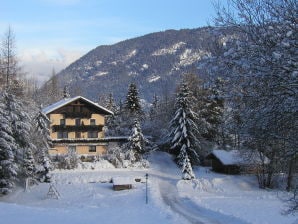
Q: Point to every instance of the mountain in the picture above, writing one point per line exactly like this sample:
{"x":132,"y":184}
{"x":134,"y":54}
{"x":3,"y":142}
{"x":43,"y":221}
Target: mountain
{"x":154,"y":62}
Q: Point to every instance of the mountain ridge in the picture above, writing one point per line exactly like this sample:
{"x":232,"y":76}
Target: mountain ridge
{"x":155,"y":62}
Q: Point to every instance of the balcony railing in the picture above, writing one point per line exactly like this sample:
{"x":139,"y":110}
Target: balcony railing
{"x":77,"y":114}
{"x":78,"y":128}
{"x":79,"y":141}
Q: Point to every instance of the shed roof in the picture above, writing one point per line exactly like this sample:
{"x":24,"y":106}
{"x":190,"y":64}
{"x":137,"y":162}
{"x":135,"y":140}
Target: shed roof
{"x":66,"y":101}
{"x":235,"y":157}
{"x":123,"y":180}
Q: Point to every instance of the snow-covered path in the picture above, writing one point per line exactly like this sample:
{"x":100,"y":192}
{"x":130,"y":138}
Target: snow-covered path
{"x":167,"y":175}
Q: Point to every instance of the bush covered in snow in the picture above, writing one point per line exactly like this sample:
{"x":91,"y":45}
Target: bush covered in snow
{"x":68,"y":161}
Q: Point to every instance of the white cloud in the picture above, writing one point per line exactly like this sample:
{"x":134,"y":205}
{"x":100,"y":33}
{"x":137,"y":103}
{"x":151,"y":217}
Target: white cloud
{"x":40,"y":63}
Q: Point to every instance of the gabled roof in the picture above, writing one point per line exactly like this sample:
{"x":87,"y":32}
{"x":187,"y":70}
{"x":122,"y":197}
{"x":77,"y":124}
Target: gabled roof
{"x":235,"y":157}
{"x":66,"y":101}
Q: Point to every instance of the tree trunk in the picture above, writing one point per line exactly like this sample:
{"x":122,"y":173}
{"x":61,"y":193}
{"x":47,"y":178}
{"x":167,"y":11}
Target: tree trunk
{"x":290,"y":175}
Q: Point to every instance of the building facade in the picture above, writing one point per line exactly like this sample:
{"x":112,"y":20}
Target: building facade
{"x":77,"y":126}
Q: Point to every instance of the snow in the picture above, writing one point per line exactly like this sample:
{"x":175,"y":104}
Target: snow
{"x":188,"y":57}
{"x":234,"y":157}
{"x":97,"y":63}
{"x":101,"y":73}
{"x":66,"y":101}
{"x":236,"y":196}
{"x":171,"y":50}
{"x":123,"y":180}
{"x":145,"y":66}
{"x":153,"y":78}
{"x":129,"y":55}
{"x":87,"y":197}
{"x":132,"y":73}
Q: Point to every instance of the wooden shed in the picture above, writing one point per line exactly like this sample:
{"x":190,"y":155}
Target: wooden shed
{"x":233,"y":162}
{"x":122,"y":183}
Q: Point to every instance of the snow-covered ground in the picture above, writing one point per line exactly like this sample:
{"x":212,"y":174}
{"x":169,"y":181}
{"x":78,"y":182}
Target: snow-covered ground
{"x":87,"y":197}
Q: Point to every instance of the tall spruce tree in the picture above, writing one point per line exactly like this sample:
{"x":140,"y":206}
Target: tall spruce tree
{"x":183,"y":132}
{"x":112,"y":124}
{"x":29,"y":168}
{"x":43,"y":143}
{"x":136,"y":145}
{"x":21,"y":126}
{"x":213,"y":115}
{"x":8,"y":168}
{"x":132,"y":103}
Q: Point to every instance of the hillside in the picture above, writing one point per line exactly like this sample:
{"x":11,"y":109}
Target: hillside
{"x":154,"y":61}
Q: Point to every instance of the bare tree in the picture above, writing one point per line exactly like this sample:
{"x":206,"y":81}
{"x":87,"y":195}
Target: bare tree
{"x":263,"y":66}
{"x":9,"y":62}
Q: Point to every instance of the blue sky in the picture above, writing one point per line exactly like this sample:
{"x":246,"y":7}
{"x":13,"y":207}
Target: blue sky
{"x":54,"y":33}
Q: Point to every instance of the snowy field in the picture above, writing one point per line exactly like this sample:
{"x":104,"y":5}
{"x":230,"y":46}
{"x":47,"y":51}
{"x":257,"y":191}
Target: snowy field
{"x":87,"y":196}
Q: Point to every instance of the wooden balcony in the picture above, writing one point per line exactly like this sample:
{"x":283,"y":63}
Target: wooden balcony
{"x":72,"y":115}
{"x":78,"y":128}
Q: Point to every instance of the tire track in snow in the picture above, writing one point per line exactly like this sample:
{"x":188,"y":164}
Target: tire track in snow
{"x":169,"y":195}
{"x":190,"y":210}
{"x":167,"y":177}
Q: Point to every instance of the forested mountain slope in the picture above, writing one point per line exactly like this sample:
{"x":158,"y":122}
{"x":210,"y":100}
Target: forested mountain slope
{"x":154,"y":62}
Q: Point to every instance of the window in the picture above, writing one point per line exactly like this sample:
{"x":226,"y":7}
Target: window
{"x":78,"y":122}
{"x":72,"y":149}
{"x":92,"y":148}
{"x":78,"y":134}
{"x":62,"y":122}
{"x":62,"y":134}
{"x":92,"y":134}
{"x":92,"y":122}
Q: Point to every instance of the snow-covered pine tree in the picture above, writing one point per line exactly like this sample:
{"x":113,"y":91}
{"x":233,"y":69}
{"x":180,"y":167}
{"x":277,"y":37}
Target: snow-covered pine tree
{"x":136,"y":145}
{"x":184,"y":131}
{"x":214,"y":112}
{"x":20,"y":126}
{"x":200,"y":95}
{"x":43,"y":143}
{"x":112,"y":125}
{"x":132,"y":103}
{"x":8,"y":168}
{"x":29,"y":168}
{"x":187,"y":172}
{"x":130,"y":110}
{"x":154,"y":107}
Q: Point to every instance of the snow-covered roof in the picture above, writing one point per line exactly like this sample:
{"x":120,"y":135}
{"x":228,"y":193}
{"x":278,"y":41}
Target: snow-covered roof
{"x":66,"y":101}
{"x":235,"y":157}
{"x":123,"y":180}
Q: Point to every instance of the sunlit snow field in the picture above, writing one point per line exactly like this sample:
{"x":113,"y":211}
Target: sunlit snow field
{"x":87,"y":196}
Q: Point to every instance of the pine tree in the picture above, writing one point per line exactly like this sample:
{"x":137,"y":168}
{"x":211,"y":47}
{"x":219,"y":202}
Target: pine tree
{"x":154,"y":107}
{"x":200,"y":105}
{"x":43,"y":143}
{"x":21,"y":126}
{"x":136,"y":145}
{"x":184,"y":131}
{"x":214,"y":104}
{"x":29,"y":168}
{"x":112,"y":121}
{"x":8,"y":168}
{"x":187,"y":173}
{"x":132,"y":103}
